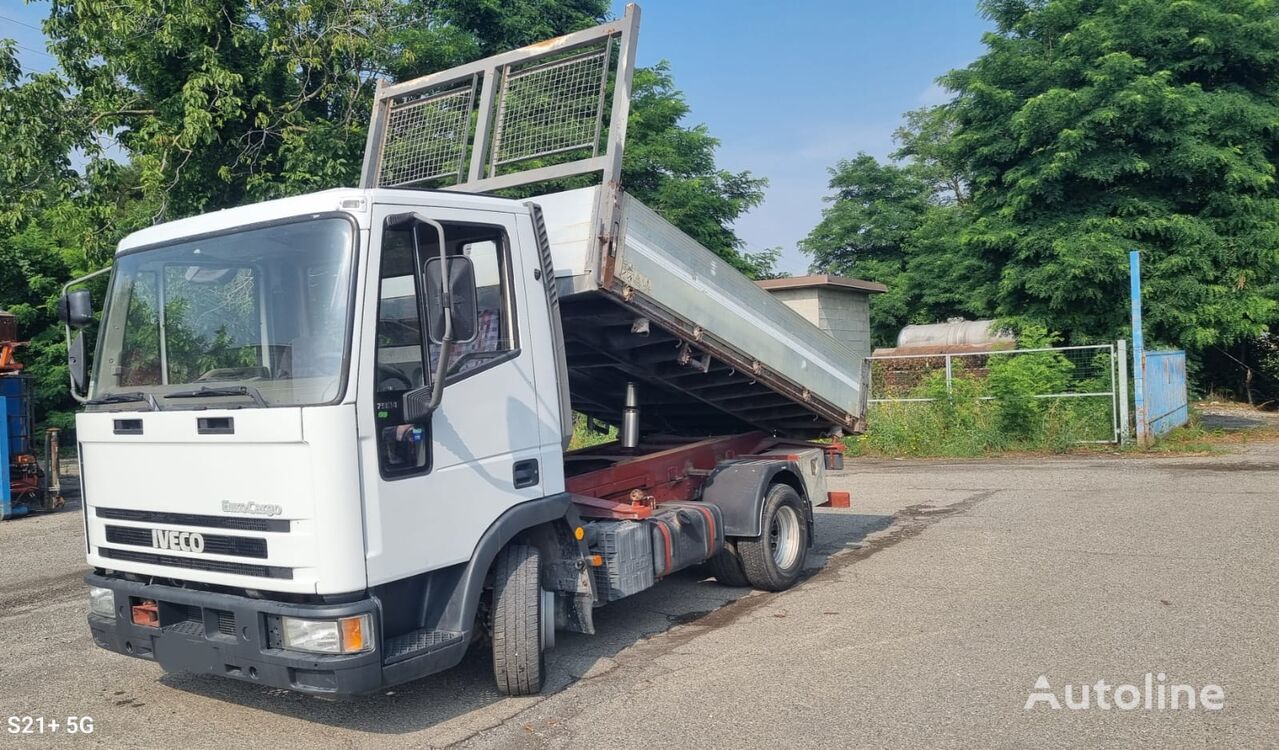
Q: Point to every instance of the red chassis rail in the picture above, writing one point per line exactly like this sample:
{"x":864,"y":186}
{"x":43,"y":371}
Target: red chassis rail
{"x":632,"y":486}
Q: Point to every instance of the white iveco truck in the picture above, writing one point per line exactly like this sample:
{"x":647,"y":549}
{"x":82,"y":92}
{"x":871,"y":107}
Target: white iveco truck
{"x":325,"y":442}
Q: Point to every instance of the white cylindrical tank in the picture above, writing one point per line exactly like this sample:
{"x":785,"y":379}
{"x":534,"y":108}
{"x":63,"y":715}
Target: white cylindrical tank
{"x":953,"y":333}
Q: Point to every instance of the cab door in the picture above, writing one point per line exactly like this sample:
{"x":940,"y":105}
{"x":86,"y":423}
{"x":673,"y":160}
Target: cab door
{"x":431,"y":490}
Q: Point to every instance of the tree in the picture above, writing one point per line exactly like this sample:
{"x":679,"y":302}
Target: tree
{"x":900,"y":223}
{"x":865,"y":232}
{"x":227,"y":102}
{"x":671,"y":168}
{"x":1090,"y":127}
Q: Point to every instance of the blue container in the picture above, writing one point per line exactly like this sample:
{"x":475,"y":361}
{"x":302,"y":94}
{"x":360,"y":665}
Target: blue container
{"x":16,"y":391}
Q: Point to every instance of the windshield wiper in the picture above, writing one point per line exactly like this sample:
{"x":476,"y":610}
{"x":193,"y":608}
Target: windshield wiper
{"x":125,"y":398}
{"x":231,"y":390}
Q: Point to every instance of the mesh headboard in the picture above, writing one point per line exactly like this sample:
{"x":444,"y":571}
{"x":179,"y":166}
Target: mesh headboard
{"x":547,"y":111}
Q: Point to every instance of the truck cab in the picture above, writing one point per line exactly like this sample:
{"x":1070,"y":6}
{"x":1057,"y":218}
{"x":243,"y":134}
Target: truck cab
{"x":259,"y":350}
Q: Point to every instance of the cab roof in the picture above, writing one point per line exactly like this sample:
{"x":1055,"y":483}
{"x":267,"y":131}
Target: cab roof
{"x":352,"y":201}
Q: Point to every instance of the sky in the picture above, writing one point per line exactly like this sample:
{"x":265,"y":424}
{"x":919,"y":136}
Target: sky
{"x":789,"y":88}
{"x":792,"y":87}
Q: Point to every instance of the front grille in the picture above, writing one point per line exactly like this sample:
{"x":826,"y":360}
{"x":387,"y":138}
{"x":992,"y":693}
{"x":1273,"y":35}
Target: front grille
{"x":226,"y":621}
{"x":197,"y":563}
{"x":192,"y":519}
{"x":237,"y":546}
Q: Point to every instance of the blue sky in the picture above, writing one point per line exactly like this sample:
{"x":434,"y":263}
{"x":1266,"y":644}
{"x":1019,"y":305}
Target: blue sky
{"x":789,"y":88}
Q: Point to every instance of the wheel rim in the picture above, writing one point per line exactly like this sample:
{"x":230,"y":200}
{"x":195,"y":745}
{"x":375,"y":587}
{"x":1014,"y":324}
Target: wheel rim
{"x":783,"y":537}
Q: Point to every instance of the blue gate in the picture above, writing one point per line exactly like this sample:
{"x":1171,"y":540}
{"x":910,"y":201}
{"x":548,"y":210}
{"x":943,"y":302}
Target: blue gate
{"x":1166,"y":403}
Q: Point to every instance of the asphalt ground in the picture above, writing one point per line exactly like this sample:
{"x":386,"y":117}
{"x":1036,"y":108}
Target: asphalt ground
{"x":933,"y":607}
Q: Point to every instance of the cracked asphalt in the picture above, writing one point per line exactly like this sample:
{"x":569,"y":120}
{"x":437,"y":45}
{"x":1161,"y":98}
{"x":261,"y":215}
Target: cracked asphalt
{"x":932,"y":608}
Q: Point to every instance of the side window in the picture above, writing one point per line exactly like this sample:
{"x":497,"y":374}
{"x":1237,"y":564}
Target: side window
{"x":403,"y":448}
{"x":399,"y":367}
{"x":140,"y":350}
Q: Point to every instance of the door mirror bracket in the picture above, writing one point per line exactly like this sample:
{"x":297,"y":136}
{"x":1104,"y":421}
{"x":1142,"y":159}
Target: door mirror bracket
{"x":75,"y":310}
{"x":448,"y":310}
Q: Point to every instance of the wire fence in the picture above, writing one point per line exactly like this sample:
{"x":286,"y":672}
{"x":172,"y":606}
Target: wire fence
{"x":1074,"y":385}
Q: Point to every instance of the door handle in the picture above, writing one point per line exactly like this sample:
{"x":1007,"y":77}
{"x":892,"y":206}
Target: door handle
{"x":525,"y":473}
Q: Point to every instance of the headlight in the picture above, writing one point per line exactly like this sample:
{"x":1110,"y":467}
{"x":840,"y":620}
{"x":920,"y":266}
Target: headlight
{"x":349,"y":635}
{"x":101,"y":601}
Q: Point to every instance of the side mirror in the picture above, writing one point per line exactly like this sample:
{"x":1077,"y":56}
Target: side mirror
{"x":76,"y":308}
{"x":76,"y":361}
{"x":465,"y":311}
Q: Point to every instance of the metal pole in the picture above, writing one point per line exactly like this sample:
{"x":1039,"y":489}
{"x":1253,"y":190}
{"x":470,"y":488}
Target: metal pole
{"x":1138,"y":352}
{"x":948,"y":375}
{"x":53,"y":459}
{"x":1122,"y":359}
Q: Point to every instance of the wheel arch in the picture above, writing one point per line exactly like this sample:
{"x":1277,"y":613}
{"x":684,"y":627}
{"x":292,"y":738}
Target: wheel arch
{"x":739,"y":489}
{"x":531,"y":521}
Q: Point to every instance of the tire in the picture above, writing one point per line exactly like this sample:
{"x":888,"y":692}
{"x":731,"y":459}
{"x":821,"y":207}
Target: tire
{"x":726,"y":566}
{"x":774,"y":560}
{"x":519,"y":660}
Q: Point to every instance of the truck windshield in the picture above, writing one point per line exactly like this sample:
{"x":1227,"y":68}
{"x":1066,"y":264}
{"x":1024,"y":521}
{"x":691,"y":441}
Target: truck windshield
{"x":251,"y":318}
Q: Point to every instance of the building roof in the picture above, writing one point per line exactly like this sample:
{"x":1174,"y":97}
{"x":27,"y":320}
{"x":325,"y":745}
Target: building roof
{"x":806,"y":282}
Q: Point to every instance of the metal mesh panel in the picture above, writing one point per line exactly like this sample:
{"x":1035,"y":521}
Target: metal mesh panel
{"x":539,"y":113}
{"x":426,"y":138}
{"x":551,"y":108}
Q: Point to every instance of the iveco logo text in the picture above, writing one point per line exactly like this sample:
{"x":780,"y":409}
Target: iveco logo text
{"x":180,"y":541}
{"x":257,"y":509}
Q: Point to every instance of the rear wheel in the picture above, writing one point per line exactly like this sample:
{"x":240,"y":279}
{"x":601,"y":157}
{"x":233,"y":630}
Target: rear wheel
{"x":774,"y":560}
{"x":519,"y":621}
{"x":726,"y":566}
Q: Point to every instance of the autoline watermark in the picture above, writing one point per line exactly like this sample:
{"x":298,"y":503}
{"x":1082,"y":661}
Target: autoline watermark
{"x":1154,"y":693}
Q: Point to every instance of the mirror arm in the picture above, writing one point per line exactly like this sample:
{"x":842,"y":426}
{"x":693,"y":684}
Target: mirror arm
{"x":446,"y":343}
{"x":65,"y":289}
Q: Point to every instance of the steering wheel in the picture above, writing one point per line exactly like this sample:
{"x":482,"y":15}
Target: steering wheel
{"x":385,"y":374}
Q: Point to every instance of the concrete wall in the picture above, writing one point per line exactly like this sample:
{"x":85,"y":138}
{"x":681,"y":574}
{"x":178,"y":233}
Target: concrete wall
{"x":843,"y":313}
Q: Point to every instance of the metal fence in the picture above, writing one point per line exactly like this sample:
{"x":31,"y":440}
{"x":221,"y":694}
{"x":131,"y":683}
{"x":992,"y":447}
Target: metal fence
{"x":1088,"y":377}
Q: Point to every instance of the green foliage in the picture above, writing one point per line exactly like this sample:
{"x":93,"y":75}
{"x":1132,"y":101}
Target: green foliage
{"x":1088,"y":128}
{"x":1016,"y":380}
{"x":585,"y":436}
{"x":900,"y":223}
{"x":671,"y":168}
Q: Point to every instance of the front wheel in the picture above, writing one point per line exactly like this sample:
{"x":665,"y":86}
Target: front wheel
{"x":520,"y":616}
{"x":774,"y":560}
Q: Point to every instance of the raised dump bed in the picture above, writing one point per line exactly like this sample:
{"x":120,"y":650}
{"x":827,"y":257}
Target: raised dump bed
{"x":712,"y":351}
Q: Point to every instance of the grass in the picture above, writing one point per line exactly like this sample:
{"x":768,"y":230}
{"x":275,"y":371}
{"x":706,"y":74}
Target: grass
{"x":928,"y":433}
{"x":585,"y":436}
{"x":967,"y":428}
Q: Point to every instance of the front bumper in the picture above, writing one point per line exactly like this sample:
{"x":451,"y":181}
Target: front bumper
{"x":222,"y":634}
